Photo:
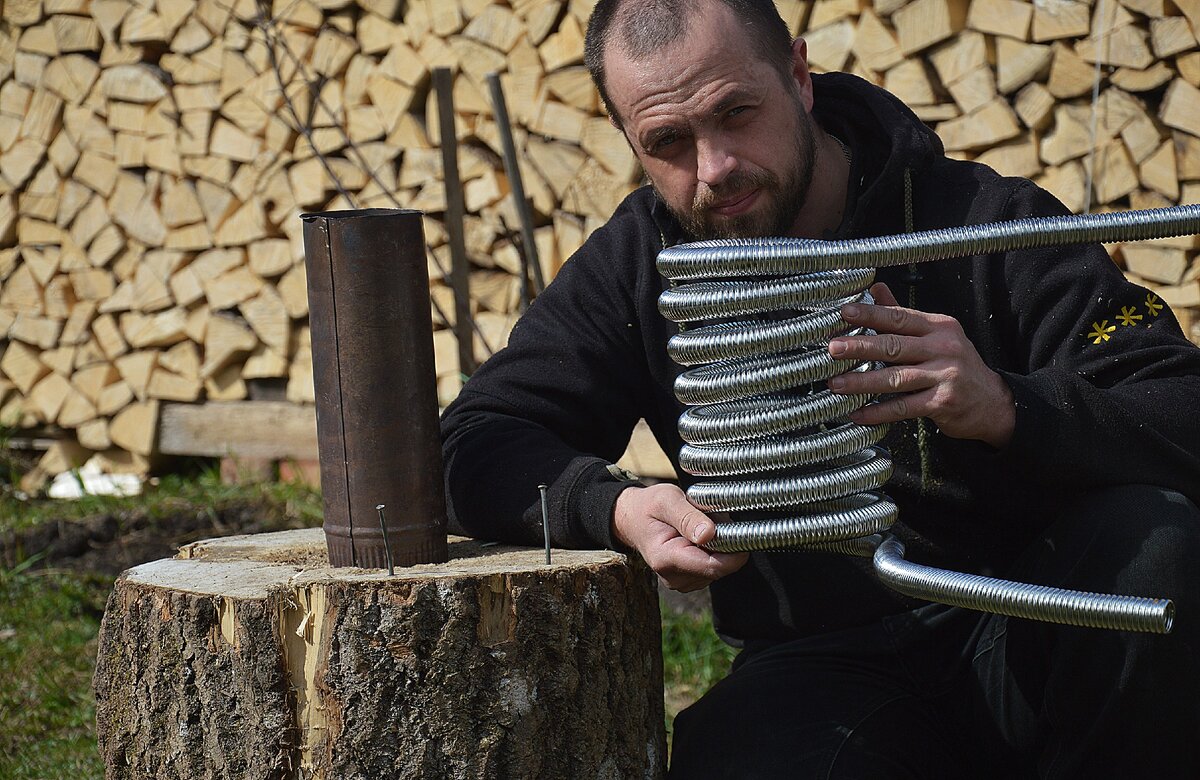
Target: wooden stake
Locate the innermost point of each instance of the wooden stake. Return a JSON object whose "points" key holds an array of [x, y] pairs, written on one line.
{"points": [[513, 170], [443, 84]]}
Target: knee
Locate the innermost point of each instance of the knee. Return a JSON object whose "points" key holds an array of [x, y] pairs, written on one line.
{"points": [[1146, 537]]}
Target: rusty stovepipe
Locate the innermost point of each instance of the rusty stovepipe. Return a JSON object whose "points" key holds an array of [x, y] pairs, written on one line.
{"points": [[376, 392]]}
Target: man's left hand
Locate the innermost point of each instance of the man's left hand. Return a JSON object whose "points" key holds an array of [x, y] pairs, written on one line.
{"points": [[933, 371]]}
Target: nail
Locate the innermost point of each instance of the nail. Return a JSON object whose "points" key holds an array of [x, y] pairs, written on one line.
{"points": [[387, 547], [837, 347], [836, 383], [850, 310], [545, 521]]}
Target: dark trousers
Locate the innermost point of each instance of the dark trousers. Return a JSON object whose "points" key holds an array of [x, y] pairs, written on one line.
{"points": [[942, 692]]}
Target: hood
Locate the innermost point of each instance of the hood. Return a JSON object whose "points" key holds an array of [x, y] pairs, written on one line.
{"points": [[885, 136]]}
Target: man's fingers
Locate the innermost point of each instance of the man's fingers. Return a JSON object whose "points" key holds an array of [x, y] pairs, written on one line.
{"points": [[890, 379], [883, 295], [667, 529], [890, 318], [902, 407], [887, 348], [691, 568]]}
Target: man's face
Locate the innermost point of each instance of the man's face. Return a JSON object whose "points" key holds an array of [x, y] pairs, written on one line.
{"points": [[726, 143]]}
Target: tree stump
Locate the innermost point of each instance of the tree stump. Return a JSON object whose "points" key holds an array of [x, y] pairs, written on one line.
{"points": [[249, 657]]}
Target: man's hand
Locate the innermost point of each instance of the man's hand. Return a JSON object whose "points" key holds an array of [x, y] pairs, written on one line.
{"points": [[934, 370], [663, 526]]}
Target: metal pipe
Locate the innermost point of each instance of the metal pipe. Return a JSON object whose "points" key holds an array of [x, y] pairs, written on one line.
{"points": [[1017, 599], [759, 404], [376, 393], [758, 256]]}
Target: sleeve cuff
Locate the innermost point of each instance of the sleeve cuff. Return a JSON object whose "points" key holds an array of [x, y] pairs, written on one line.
{"points": [[593, 497], [1033, 447]]}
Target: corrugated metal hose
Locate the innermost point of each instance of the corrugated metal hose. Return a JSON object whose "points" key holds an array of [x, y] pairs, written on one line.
{"points": [[761, 419]]}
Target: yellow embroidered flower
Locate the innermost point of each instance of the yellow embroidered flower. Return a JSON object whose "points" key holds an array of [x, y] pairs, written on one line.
{"points": [[1100, 331], [1128, 316], [1152, 304]]}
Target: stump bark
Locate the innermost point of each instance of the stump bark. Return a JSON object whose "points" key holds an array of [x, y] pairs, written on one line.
{"points": [[251, 657]]}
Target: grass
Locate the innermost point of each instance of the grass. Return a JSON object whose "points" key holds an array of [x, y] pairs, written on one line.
{"points": [[48, 625], [50, 618], [693, 659]]}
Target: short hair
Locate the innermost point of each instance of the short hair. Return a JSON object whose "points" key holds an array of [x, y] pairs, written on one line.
{"points": [[647, 25]]}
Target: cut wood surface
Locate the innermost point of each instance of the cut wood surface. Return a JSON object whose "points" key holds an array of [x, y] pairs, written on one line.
{"points": [[492, 664], [248, 429], [155, 159]]}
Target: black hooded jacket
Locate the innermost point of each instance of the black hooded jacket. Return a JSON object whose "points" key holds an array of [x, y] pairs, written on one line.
{"points": [[1106, 386]]}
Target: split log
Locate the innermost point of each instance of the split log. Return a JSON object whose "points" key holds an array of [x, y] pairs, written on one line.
{"points": [[922, 23], [250, 657], [1008, 18], [1181, 107], [109, 159], [1164, 265], [1055, 19]]}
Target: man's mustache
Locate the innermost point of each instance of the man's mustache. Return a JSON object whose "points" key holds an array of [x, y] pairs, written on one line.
{"points": [[737, 183]]}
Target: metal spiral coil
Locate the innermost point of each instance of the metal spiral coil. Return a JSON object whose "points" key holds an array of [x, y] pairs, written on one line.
{"points": [[759, 405]]}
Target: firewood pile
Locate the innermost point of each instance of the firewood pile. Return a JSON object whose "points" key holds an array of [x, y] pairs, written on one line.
{"points": [[155, 157], [1097, 102]]}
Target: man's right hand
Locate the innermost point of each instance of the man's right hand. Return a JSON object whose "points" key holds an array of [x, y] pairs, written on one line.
{"points": [[666, 529]]}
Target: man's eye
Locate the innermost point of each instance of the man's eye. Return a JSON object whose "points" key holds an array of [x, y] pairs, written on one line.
{"points": [[663, 141], [737, 110]]}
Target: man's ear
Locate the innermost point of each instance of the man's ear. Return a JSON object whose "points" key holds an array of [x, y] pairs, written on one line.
{"points": [[801, 74]]}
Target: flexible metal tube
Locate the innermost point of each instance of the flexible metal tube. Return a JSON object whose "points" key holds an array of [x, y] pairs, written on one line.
{"points": [[867, 470], [739, 257], [756, 388], [1018, 599], [764, 415], [848, 519]]}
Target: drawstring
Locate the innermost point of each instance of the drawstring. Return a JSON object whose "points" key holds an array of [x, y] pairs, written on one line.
{"points": [[913, 278]]}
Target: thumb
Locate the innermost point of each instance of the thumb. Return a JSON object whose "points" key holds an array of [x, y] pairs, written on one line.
{"points": [[695, 526]]}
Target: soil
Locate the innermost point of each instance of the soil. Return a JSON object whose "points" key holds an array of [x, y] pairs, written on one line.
{"points": [[110, 543]]}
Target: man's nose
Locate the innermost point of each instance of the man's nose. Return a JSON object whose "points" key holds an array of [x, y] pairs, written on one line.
{"points": [[714, 161]]}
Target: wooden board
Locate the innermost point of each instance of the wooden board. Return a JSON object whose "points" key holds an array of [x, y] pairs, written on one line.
{"points": [[250, 429]]}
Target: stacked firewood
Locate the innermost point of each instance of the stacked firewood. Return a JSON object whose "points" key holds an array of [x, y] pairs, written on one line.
{"points": [[155, 157], [1098, 102]]}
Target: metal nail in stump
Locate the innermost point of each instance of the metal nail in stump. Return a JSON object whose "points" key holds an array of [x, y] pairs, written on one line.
{"points": [[387, 548], [545, 522], [376, 391]]}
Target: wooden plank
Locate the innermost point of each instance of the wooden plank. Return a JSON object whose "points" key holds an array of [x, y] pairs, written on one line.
{"points": [[252, 429]]}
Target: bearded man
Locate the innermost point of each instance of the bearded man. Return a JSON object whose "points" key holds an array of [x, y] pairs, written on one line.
{"points": [[1028, 443]]}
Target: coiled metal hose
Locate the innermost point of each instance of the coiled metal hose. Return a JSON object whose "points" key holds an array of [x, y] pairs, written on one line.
{"points": [[758, 402]]}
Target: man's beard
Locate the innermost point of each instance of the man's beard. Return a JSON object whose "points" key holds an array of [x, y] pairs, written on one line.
{"points": [[784, 198]]}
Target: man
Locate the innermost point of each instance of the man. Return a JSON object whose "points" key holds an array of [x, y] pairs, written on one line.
{"points": [[1032, 441]]}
